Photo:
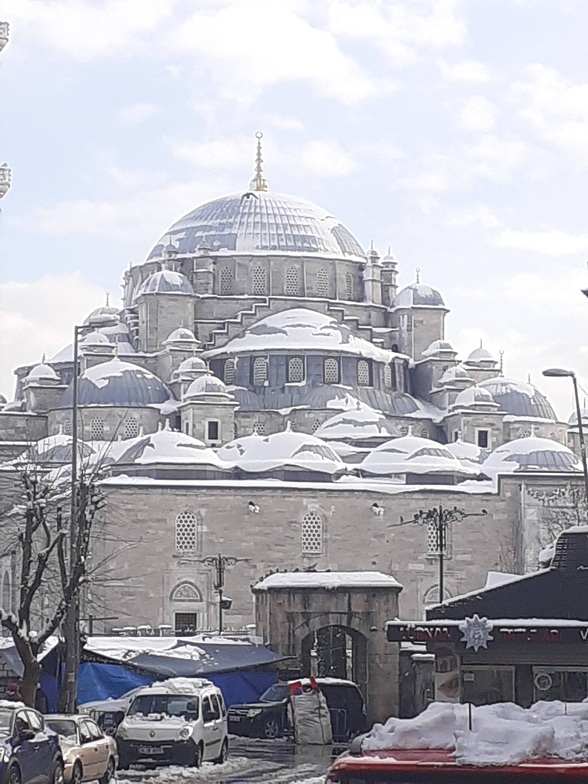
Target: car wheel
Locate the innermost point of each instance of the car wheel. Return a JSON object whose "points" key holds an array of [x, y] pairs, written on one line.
{"points": [[222, 757], [109, 772], [57, 776], [77, 773], [13, 775], [271, 729], [198, 755]]}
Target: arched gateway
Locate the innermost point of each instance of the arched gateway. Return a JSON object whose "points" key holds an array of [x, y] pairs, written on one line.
{"points": [[333, 623]]}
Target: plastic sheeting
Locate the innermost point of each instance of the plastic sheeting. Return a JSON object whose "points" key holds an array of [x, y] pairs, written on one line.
{"points": [[312, 720]]}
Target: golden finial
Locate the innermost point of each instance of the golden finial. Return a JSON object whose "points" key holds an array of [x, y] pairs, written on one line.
{"points": [[418, 274], [259, 183]]}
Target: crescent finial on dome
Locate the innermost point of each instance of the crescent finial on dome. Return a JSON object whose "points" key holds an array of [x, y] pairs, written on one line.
{"points": [[259, 183]]}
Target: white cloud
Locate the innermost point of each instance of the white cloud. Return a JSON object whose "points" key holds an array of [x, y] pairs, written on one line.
{"points": [[137, 113], [433, 175], [496, 158], [464, 71], [217, 154], [478, 115], [327, 158], [86, 29], [36, 317], [550, 242], [473, 215]]}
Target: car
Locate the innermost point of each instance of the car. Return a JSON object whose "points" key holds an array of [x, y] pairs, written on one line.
{"points": [[88, 753], [29, 752], [181, 721], [109, 713], [270, 717]]}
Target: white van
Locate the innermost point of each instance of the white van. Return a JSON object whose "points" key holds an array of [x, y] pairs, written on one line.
{"points": [[181, 721]]}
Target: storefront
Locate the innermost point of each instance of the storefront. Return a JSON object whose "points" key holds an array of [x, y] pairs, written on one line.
{"points": [[520, 641]]}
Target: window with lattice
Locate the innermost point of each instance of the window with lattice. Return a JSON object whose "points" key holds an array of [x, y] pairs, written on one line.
{"points": [[315, 425], [259, 371], [67, 427], [349, 285], [295, 370], [292, 282], [131, 427], [331, 371], [97, 429], [363, 373], [387, 377], [433, 540], [259, 428], [187, 533], [226, 281], [229, 371], [259, 281], [185, 622], [322, 283], [312, 533]]}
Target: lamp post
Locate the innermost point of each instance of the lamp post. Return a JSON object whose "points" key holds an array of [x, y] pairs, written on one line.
{"points": [[220, 563], [563, 373], [441, 518]]}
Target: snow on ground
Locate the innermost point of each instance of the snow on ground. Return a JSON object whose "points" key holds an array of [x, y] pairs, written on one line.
{"points": [[236, 770], [500, 734]]}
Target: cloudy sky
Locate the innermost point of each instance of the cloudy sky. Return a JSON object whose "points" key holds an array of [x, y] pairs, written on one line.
{"points": [[453, 131]]}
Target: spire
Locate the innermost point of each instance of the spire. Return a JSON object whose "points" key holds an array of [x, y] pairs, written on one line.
{"points": [[418, 274], [107, 298], [259, 183], [501, 354]]}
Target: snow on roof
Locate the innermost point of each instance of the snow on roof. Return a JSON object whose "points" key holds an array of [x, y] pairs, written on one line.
{"points": [[327, 580], [531, 454], [519, 399], [301, 329], [206, 384], [455, 373], [166, 282], [418, 295], [414, 455], [500, 734], [191, 365], [482, 356], [258, 454], [42, 371], [467, 452], [499, 578], [117, 383], [474, 397], [438, 347], [181, 335], [171, 447], [95, 338], [357, 424]]}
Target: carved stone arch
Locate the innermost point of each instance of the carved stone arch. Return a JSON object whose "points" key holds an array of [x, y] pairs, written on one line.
{"points": [[316, 622], [186, 591]]}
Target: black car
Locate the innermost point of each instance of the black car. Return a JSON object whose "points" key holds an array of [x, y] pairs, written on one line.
{"points": [[29, 752], [270, 717]]}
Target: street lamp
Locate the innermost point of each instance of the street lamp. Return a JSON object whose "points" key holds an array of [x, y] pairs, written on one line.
{"points": [[220, 563], [441, 518], [563, 373]]}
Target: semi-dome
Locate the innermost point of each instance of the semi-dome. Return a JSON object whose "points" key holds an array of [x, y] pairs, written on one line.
{"points": [[519, 399], [261, 222], [418, 295], [117, 383], [531, 454], [42, 372], [166, 282]]}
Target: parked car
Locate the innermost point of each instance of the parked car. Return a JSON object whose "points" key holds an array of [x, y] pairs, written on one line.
{"points": [[108, 714], [181, 720], [270, 717], [88, 753], [29, 751]]}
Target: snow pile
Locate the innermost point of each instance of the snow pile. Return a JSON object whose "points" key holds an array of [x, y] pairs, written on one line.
{"points": [[501, 734], [328, 580]]}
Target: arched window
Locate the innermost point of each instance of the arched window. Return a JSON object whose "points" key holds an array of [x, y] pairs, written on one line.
{"points": [[259, 427], [188, 533], [349, 285], [259, 371], [295, 370], [432, 595], [67, 427], [312, 533], [131, 427], [331, 371], [387, 377], [259, 281], [6, 593], [226, 281], [97, 429], [322, 283], [363, 373], [229, 371], [186, 591], [292, 287]]}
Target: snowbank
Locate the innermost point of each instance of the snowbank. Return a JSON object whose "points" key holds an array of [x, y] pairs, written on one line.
{"points": [[501, 734]]}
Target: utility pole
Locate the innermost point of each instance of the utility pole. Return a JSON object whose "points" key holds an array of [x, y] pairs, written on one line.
{"points": [[220, 563]]}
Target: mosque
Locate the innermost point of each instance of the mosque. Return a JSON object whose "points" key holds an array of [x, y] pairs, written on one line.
{"points": [[267, 392]]}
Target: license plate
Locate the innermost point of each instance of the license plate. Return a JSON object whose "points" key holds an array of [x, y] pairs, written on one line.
{"points": [[150, 750], [235, 718]]}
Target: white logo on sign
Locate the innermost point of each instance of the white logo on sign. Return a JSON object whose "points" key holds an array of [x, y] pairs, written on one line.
{"points": [[476, 632]]}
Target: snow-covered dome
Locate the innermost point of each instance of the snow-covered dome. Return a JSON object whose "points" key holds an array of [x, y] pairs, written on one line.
{"points": [[170, 447], [466, 452], [58, 449], [480, 356], [42, 372], [474, 397], [519, 399], [106, 312], [288, 449], [414, 455], [181, 335], [457, 373], [531, 454], [192, 366], [117, 383], [95, 339], [262, 222], [206, 384], [166, 282], [418, 295], [300, 329], [573, 420], [439, 348], [359, 424]]}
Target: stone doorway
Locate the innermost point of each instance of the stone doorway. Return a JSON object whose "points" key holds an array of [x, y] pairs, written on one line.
{"points": [[335, 652]]}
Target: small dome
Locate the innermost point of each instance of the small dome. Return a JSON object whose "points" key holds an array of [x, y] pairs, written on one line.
{"points": [[474, 397], [481, 356], [206, 385], [418, 295], [466, 452], [192, 365], [170, 447], [181, 335], [457, 373], [42, 372], [439, 347], [95, 339], [58, 449], [117, 383], [573, 420], [102, 314], [531, 454], [359, 424], [414, 455], [519, 399], [166, 282]]}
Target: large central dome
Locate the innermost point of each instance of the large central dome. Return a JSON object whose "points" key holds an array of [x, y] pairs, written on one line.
{"points": [[261, 222]]}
